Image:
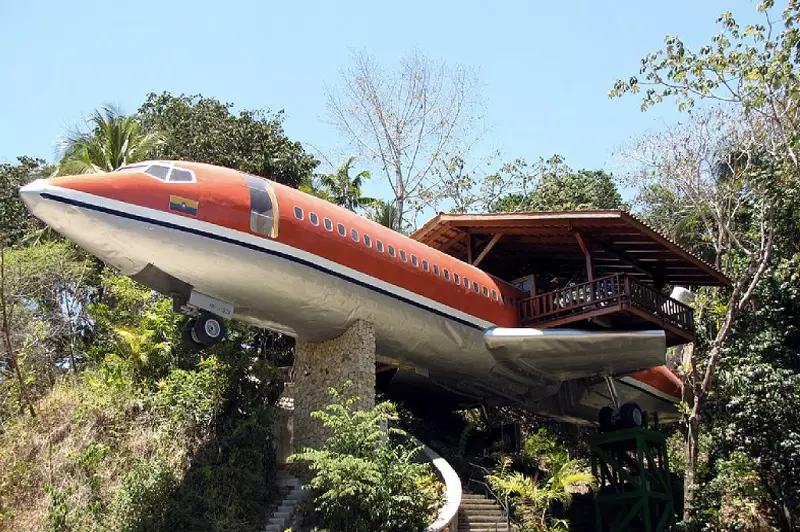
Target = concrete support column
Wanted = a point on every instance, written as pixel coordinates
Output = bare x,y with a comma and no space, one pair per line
319,366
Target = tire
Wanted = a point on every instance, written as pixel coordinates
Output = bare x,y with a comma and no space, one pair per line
606,419
632,416
208,330
187,336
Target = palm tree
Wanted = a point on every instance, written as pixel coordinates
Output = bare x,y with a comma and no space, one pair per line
385,213
114,140
344,191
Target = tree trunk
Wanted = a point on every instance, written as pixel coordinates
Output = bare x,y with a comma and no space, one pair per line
691,450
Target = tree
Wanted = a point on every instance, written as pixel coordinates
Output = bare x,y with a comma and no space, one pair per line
343,190
205,130
753,71
405,121
551,185
735,211
532,497
384,213
113,140
363,480
17,222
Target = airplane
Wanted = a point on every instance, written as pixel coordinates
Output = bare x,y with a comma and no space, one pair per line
228,245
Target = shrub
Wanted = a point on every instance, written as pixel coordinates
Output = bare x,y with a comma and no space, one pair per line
140,504
191,398
363,479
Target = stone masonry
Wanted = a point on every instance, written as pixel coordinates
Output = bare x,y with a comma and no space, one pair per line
319,366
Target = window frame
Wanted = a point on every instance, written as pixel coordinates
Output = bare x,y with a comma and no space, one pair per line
379,245
302,215
190,172
257,185
327,223
367,240
476,287
414,261
354,235
403,255
311,217
494,295
446,274
390,249
456,278
426,267
436,270
341,229
485,290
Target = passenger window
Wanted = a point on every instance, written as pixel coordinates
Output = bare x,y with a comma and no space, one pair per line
158,171
391,250
341,229
476,287
180,175
379,246
425,266
354,235
263,207
503,298
436,270
403,256
313,218
466,282
494,295
367,241
485,291
414,261
456,278
328,224
298,213
446,274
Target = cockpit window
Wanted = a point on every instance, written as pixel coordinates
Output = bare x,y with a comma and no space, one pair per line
158,171
180,175
263,207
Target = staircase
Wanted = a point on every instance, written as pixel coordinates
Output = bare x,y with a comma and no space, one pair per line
478,513
281,518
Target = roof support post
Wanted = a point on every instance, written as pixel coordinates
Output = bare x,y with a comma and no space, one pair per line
469,246
487,249
587,253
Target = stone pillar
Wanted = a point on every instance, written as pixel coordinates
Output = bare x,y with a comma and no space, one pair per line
319,366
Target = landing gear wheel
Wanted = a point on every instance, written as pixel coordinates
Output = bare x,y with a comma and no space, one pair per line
208,330
188,337
606,419
632,416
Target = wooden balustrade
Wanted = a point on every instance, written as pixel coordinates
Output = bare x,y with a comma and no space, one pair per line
605,294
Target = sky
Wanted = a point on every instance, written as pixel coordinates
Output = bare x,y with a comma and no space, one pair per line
545,68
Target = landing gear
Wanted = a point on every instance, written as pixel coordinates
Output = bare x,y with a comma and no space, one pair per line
627,416
203,331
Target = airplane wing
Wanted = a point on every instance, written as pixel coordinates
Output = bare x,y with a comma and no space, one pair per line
567,354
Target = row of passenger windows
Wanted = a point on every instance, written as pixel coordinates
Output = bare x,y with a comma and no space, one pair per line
405,257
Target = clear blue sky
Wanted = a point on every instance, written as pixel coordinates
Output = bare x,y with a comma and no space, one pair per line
546,67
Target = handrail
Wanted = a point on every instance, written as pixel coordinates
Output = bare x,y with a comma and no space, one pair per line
612,290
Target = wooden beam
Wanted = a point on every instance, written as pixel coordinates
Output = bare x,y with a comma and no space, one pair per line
469,246
587,253
627,259
487,249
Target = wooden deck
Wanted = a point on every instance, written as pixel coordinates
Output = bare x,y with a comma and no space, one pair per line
625,300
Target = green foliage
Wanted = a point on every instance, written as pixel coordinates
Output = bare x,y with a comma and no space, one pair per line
532,498
205,130
343,190
113,140
141,503
364,481
136,324
58,510
550,185
192,398
18,225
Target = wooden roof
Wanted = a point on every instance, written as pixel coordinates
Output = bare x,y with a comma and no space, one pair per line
617,241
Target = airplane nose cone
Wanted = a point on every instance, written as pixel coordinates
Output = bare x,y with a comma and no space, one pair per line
31,194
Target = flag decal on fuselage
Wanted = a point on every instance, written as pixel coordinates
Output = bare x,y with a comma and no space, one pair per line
184,205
